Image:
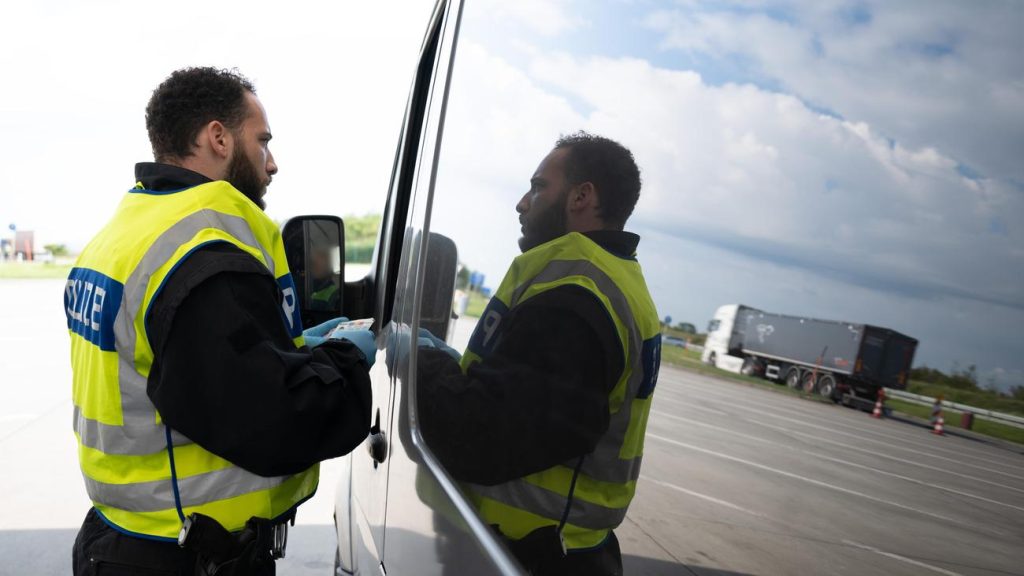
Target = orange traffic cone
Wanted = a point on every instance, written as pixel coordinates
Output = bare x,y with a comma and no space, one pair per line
877,413
938,426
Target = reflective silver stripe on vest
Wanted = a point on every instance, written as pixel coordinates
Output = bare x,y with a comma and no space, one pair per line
193,491
525,496
127,440
604,463
141,433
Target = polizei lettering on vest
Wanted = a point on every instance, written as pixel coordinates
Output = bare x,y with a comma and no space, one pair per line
91,301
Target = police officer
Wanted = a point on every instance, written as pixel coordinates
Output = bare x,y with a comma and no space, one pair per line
197,403
544,421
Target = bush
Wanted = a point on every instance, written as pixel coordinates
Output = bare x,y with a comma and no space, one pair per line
986,399
958,379
359,252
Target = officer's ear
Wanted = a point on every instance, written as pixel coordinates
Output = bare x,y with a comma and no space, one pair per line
218,138
583,198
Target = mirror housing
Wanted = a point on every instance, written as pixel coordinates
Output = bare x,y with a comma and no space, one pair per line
438,290
315,247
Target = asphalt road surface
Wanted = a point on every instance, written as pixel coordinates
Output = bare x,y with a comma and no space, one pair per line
742,480
736,479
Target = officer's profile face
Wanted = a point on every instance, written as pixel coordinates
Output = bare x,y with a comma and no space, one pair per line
320,263
252,165
542,210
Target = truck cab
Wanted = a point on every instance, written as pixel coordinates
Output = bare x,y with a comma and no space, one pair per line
722,335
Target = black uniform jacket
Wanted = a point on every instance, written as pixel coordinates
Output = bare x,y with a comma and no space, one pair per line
226,373
540,398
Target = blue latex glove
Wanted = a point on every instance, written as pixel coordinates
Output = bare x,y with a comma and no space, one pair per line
316,335
364,340
428,340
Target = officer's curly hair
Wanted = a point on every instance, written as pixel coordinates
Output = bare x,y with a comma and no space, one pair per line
610,167
189,99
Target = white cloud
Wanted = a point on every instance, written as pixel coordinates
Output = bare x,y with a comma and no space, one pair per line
945,73
543,17
744,167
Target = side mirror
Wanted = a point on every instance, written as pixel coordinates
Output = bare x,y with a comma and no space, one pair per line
438,285
315,246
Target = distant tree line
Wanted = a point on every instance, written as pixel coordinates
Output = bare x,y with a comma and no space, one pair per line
361,237
959,379
685,331
56,249
962,379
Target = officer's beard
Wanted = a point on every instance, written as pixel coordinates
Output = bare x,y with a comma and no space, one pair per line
245,177
551,223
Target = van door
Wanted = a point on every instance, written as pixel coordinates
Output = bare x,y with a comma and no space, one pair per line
394,288
430,527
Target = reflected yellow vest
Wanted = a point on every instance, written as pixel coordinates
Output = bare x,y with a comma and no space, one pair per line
142,476
607,476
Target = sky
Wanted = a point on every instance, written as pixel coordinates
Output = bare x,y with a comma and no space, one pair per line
857,161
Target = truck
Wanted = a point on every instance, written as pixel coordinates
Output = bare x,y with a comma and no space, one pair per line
844,361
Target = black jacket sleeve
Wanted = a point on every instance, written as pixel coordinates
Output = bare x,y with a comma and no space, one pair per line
228,376
540,399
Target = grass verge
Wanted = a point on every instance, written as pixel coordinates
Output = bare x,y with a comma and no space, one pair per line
477,303
22,270
952,420
986,399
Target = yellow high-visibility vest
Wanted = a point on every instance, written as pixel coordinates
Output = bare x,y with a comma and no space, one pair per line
607,476
142,476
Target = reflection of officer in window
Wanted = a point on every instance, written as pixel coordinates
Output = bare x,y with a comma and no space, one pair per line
324,292
544,420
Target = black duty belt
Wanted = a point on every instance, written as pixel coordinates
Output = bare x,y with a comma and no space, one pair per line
252,550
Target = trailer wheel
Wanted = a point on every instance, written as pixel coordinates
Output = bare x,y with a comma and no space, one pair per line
807,383
711,359
827,386
793,377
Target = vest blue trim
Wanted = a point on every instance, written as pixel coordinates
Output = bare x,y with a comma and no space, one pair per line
145,317
133,534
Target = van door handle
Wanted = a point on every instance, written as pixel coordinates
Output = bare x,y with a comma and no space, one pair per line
378,444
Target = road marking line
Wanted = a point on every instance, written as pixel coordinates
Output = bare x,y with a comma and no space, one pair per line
915,481
846,446
901,558
704,408
805,479
886,456
888,444
712,390
838,461
702,496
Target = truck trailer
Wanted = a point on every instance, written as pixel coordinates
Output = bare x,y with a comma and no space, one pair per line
844,361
